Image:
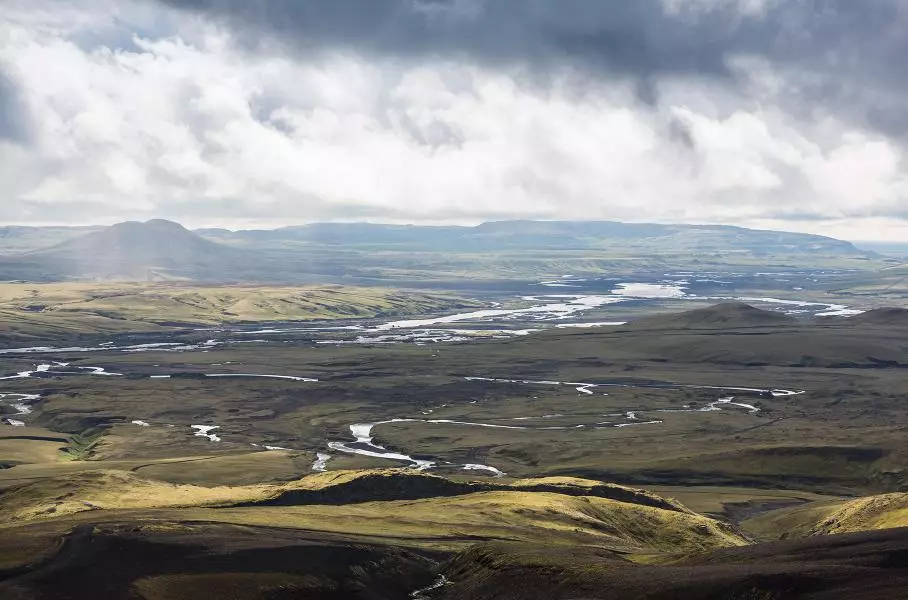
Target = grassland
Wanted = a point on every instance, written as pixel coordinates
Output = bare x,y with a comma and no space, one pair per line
83,469
834,517
842,436
50,311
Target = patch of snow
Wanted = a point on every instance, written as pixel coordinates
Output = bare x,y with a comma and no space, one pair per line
496,472
205,432
321,462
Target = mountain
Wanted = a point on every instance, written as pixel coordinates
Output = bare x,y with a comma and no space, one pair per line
365,253
154,250
561,235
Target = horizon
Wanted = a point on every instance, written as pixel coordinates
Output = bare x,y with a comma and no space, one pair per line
263,227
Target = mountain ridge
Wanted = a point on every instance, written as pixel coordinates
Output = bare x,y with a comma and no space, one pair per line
365,253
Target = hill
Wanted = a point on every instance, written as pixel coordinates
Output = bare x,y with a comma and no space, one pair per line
739,334
886,511
408,508
886,317
729,315
868,513
38,313
869,566
155,250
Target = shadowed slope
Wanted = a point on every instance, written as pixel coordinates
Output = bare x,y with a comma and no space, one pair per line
721,316
865,566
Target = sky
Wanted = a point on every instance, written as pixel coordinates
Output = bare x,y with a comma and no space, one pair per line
780,114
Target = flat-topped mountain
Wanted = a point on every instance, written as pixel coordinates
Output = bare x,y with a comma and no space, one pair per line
561,235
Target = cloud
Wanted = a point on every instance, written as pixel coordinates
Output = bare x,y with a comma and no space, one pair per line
268,113
13,114
637,38
834,51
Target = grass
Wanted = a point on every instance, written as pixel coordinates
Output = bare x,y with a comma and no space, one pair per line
70,309
511,516
18,451
107,490
842,437
524,512
736,503
885,511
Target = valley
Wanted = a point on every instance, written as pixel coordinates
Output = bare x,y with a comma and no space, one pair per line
453,300
659,431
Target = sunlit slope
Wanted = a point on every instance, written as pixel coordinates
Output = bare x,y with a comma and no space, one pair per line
886,511
869,513
438,512
72,308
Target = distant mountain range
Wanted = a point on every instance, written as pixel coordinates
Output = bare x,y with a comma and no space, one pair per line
539,235
362,252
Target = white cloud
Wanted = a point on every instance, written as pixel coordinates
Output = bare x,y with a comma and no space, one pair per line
184,123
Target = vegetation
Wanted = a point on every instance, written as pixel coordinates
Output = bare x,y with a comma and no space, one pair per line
369,254
886,511
67,310
110,471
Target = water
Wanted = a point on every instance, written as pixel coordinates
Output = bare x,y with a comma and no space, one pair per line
529,314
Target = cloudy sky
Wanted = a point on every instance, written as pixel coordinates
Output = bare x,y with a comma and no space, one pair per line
787,114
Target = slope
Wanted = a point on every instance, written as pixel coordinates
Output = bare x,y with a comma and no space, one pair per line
729,315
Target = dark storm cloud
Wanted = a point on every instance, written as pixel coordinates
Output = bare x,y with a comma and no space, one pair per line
635,37
13,116
850,52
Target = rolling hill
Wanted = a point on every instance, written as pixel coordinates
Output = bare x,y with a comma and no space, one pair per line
721,316
739,334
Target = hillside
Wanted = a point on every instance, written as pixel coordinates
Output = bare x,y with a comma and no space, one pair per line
417,510
739,334
866,566
864,514
59,310
729,315
885,317
867,513
21,240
